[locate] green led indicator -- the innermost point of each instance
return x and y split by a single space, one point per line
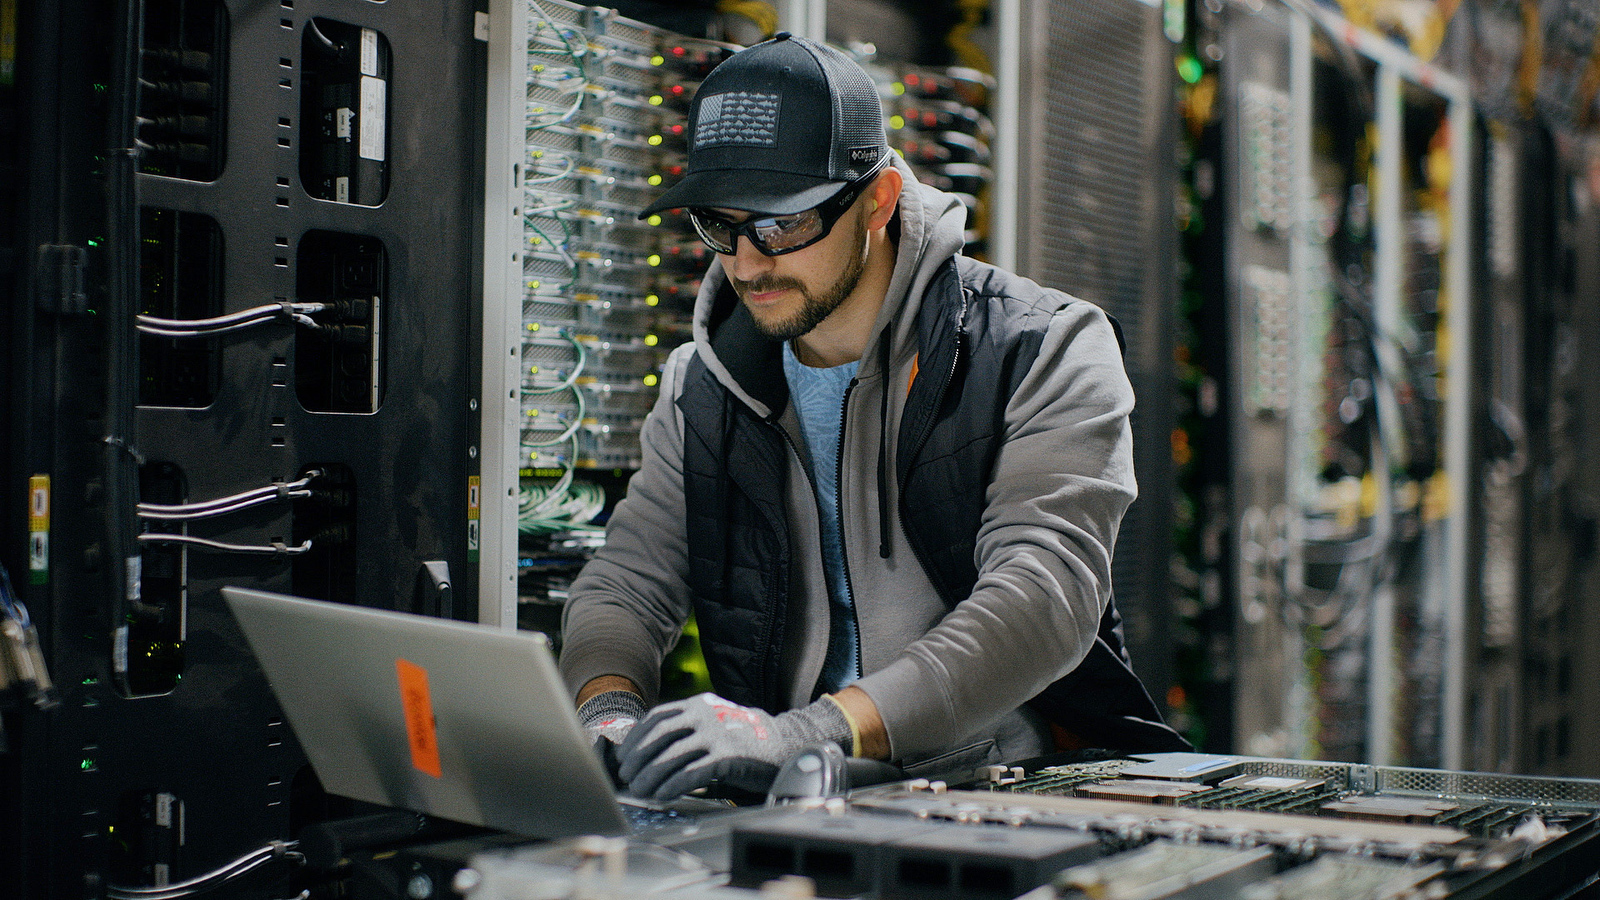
1189 69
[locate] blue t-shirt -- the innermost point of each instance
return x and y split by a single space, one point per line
818 396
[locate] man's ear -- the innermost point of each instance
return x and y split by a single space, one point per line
882 197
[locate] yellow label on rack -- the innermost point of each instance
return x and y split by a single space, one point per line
38 529
39 503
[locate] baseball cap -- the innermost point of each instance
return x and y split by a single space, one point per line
777 128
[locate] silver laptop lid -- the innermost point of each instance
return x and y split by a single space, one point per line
453 719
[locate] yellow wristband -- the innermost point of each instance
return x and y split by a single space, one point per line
855 730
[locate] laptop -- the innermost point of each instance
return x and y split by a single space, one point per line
452 719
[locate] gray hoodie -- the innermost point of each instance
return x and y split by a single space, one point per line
949 684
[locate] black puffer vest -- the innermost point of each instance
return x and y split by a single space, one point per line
970 363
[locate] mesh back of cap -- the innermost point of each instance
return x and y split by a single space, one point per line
857 114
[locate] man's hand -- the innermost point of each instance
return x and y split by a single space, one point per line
608 717
691 743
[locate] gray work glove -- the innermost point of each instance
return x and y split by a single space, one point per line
692 743
608 717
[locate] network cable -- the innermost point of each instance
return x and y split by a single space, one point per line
572 430
567 505
24 653
298 312
276 548
578 59
571 380
548 177
255 497
249 862
561 245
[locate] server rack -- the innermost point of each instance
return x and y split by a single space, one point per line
240 356
1348 232
1087 159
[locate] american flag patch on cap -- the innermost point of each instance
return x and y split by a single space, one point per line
737 117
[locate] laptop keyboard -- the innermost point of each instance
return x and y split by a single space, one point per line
643 818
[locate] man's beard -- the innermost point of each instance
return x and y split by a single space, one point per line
815 307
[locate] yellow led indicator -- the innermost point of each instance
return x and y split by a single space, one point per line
538 154
534 326
657 60
654 220
897 89
533 414
654 141
654 181
654 259
533 370
651 300
897 122
535 285
651 340
655 99
650 380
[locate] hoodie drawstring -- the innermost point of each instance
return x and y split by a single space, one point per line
883 452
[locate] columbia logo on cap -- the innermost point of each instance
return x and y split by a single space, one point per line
864 156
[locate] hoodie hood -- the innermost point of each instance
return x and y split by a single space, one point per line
929 229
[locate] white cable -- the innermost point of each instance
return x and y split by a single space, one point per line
198 884
267 310
221 510
275 549
243 500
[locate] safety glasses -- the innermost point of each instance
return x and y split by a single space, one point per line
777 235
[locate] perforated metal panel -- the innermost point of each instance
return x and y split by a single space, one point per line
1095 218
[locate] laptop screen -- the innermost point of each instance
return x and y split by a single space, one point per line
453 719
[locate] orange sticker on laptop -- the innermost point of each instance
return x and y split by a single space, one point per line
421 730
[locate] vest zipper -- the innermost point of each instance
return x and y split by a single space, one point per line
844 550
844 558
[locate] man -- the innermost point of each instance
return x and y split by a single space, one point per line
886 479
